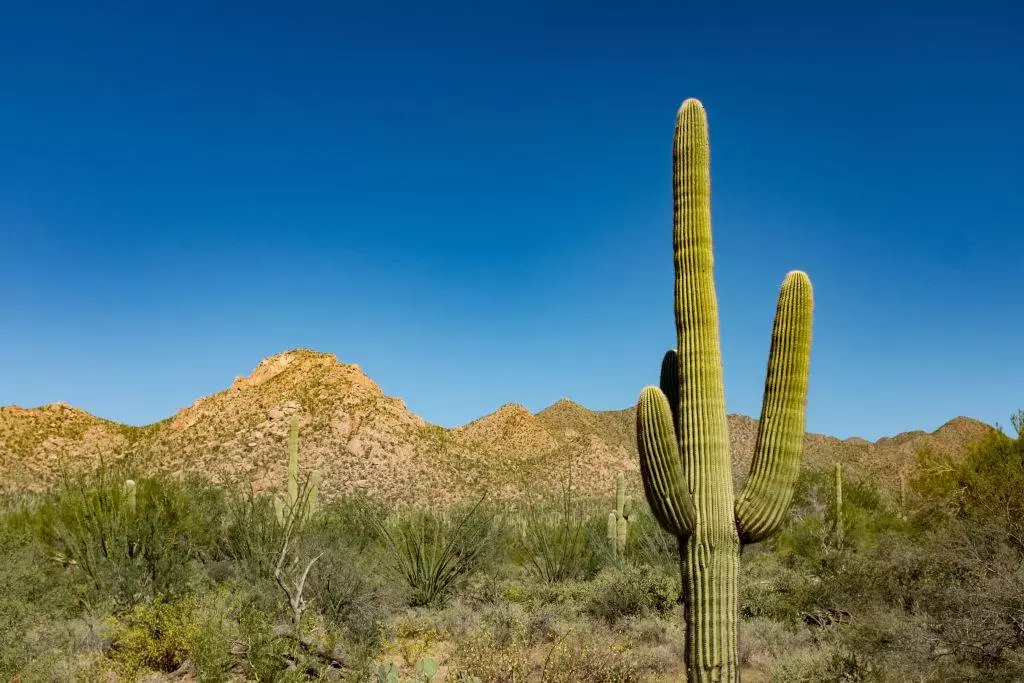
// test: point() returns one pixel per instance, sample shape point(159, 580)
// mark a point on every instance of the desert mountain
point(361, 439)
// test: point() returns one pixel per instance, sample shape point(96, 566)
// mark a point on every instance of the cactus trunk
point(682, 433)
point(710, 593)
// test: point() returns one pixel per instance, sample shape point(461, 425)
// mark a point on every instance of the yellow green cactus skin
point(290, 509)
point(620, 518)
point(682, 433)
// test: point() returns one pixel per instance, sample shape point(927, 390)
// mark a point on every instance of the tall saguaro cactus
point(682, 432)
point(291, 508)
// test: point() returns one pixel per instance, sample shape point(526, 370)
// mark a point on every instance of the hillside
point(361, 439)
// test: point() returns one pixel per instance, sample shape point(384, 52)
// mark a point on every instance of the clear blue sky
point(474, 204)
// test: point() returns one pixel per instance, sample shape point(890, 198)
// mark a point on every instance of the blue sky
point(474, 204)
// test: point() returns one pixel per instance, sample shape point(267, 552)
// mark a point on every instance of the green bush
point(163, 636)
point(631, 591)
point(252, 537)
point(133, 544)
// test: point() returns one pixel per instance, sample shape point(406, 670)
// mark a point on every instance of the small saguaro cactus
point(291, 508)
point(129, 494)
point(620, 518)
point(903, 496)
point(682, 432)
point(838, 522)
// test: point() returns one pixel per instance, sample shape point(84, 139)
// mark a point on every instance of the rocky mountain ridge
point(361, 439)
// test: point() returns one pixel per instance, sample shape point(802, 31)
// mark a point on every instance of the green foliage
point(553, 540)
point(434, 551)
point(147, 539)
point(252, 536)
point(984, 489)
point(938, 597)
point(163, 636)
point(631, 591)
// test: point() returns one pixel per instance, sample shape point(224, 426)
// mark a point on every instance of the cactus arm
point(670, 384)
point(762, 505)
point(620, 494)
point(660, 465)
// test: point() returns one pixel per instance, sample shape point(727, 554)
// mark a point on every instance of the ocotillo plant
point(682, 432)
point(620, 518)
point(838, 522)
point(292, 508)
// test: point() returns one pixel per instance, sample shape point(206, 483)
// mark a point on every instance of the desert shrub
point(33, 590)
point(132, 544)
point(592, 657)
point(650, 544)
point(825, 664)
point(763, 642)
point(163, 636)
point(507, 623)
point(353, 519)
point(985, 488)
point(631, 591)
point(483, 657)
point(771, 589)
point(343, 588)
point(434, 551)
point(553, 540)
point(252, 537)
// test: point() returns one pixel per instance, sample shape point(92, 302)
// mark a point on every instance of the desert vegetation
point(177, 578)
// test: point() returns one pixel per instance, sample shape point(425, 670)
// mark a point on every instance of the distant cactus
point(682, 433)
point(620, 518)
point(129, 494)
point(298, 505)
point(839, 524)
point(903, 496)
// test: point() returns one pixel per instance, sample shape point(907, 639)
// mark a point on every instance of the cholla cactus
point(620, 518)
point(682, 432)
point(296, 506)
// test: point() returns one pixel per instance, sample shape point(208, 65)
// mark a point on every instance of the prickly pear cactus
point(682, 432)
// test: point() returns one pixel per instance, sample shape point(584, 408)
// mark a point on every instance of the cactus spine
point(620, 518)
point(682, 432)
point(839, 526)
point(297, 505)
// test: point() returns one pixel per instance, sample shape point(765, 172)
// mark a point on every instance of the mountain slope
point(361, 439)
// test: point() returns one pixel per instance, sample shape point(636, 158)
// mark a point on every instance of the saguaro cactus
point(682, 432)
point(619, 518)
point(839, 525)
point(129, 494)
point(291, 508)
